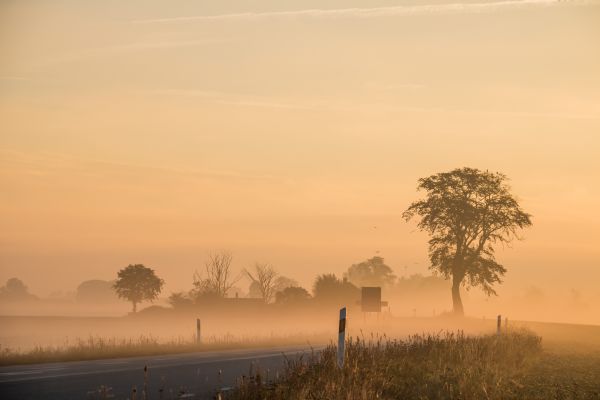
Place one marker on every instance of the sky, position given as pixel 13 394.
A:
pixel 291 133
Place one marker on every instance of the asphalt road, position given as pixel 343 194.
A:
pixel 200 374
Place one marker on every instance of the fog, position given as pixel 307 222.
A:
pixel 293 135
pixel 416 304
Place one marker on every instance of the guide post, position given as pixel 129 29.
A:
pixel 342 337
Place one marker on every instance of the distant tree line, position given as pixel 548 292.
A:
pixel 16 290
pixel 272 288
pixel 466 212
pixel 137 284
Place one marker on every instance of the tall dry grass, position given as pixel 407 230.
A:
pixel 96 347
pixel 443 366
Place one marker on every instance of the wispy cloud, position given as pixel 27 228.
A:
pixel 236 99
pixel 128 47
pixel 392 86
pixel 492 113
pixel 452 8
pixel 243 100
pixel 158 45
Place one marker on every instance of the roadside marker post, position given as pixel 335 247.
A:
pixel 198 337
pixel 499 327
pixel 341 337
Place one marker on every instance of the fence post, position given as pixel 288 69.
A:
pixel 499 326
pixel 198 337
pixel 342 337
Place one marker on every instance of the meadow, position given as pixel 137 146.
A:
pixel 28 340
pixel 448 359
pixel 97 347
pixel 450 365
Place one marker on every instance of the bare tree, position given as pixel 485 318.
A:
pixel 265 277
pixel 219 278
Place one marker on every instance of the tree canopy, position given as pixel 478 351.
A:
pixel 292 295
pixel 137 283
pixel 329 289
pixel 16 290
pixel 95 291
pixel 466 212
pixel 180 300
pixel 372 272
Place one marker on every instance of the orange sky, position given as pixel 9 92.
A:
pixel 144 134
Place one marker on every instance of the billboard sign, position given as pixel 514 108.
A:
pixel 370 300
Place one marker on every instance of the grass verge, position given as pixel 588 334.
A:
pixel 448 366
pixel 97 348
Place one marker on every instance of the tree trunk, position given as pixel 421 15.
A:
pixel 134 307
pixel 457 306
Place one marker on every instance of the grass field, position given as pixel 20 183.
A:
pixel 96 348
pixel 514 365
pixel 44 339
pixel 452 359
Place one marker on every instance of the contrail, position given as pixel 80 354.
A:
pixel 453 8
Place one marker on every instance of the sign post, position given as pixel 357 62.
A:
pixel 341 338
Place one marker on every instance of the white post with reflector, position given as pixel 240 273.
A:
pixel 341 337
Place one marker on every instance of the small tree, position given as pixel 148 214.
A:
pixel 283 282
pixel 137 283
pixel 180 300
pixel 328 288
pixel 466 212
pixel 95 291
pixel 292 295
pixel 372 272
pixel 264 278
pixel 16 290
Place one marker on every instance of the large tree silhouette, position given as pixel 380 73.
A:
pixel 137 283
pixel 466 212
